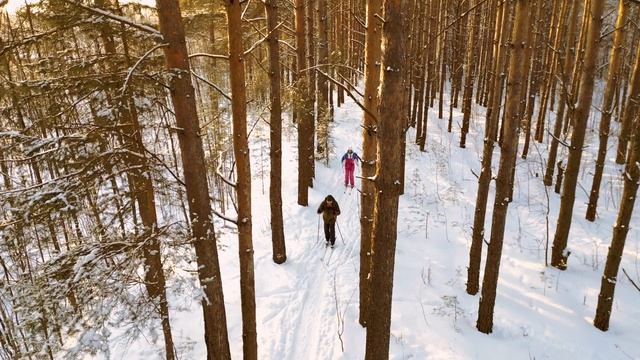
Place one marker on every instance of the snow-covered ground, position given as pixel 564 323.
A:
pixel 307 308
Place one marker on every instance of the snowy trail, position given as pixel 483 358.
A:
pixel 310 316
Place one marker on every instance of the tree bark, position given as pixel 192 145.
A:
pixel 620 230
pixel 630 110
pixel 388 184
pixel 369 144
pixel 517 69
pixel 304 109
pixel 193 162
pixel 558 255
pixel 275 122
pixel 607 107
pixel 324 114
pixel 243 182
pixel 484 180
pixel 567 60
pixel 469 70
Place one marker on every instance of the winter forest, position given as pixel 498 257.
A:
pixel 319 179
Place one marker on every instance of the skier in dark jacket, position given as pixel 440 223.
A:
pixel 330 210
pixel 349 162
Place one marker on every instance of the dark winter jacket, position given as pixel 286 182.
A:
pixel 329 212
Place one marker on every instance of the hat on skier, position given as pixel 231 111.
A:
pixel 350 149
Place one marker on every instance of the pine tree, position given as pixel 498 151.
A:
pixel 517 71
pixel 558 255
pixel 388 185
pixel 275 123
pixel 369 145
pixel 183 99
pixel 607 107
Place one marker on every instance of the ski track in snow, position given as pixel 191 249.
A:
pixel 308 320
pixel 540 312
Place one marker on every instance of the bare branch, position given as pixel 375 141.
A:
pixel 375 118
pixel 121 19
pixel 627 275
pixel 563 143
pixel 211 84
pixel 126 81
pixel 213 56
pixel 265 37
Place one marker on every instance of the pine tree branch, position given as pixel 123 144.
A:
pixel 121 19
pixel 211 84
pixel 130 72
pixel 364 108
pixel 212 56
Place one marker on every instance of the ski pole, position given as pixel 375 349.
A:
pixel 340 231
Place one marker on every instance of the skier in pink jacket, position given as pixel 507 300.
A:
pixel 349 163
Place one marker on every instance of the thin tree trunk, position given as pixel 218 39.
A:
pixel 484 180
pixel 607 107
pixel 558 255
pixel 517 69
pixel 275 122
pixel 305 109
pixel 620 231
pixel 243 182
pixel 566 60
pixel 630 110
pixel 193 162
pixel 324 114
pixel 469 68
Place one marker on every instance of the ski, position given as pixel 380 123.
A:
pixel 324 254
pixel 330 255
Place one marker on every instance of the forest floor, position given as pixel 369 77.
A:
pixel 307 308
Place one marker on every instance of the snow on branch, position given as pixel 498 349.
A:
pixel 221 216
pixel 121 19
pixel 364 108
pixel 265 37
pixel 126 81
pixel 560 141
pixel 211 84
pixel 221 175
pixel 213 56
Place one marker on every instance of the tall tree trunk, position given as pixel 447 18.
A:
pixel 555 31
pixel 630 110
pixel 517 74
pixel 607 107
pixel 484 180
pixel 194 168
pixel 304 109
pixel 566 60
pixel 369 145
pixel 620 230
pixel 558 255
pixel 275 122
pixel 144 194
pixel 469 69
pixel 243 182
pixel 324 114
pixel 388 184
